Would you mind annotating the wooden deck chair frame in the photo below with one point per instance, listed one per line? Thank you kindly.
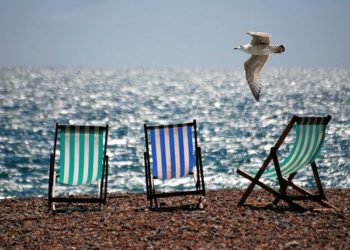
(284, 182)
(152, 193)
(102, 184)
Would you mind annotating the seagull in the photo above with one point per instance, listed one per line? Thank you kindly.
(260, 49)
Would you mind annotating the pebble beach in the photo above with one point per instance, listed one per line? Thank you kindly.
(127, 222)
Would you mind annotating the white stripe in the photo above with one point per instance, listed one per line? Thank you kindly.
(177, 151)
(76, 156)
(95, 165)
(186, 153)
(167, 152)
(322, 131)
(66, 154)
(86, 155)
(158, 153)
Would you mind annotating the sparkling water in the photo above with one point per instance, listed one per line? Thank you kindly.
(234, 130)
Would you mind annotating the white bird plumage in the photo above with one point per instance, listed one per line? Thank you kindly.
(260, 49)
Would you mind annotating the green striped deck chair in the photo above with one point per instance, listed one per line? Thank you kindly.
(308, 141)
(81, 160)
(172, 152)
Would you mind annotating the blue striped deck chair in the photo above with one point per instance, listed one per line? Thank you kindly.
(81, 159)
(172, 152)
(310, 134)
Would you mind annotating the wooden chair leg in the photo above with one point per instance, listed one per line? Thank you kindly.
(254, 181)
(318, 180)
(247, 192)
(282, 184)
(290, 178)
(272, 191)
(53, 206)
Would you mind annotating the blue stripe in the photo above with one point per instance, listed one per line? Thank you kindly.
(162, 149)
(154, 153)
(190, 148)
(172, 152)
(181, 150)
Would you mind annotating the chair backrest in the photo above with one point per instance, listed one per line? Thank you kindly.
(82, 153)
(309, 138)
(172, 149)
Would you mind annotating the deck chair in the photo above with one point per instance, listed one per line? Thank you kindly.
(81, 159)
(172, 151)
(309, 138)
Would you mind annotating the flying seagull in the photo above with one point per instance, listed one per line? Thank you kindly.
(260, 49)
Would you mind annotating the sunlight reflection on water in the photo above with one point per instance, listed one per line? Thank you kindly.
(234, 131)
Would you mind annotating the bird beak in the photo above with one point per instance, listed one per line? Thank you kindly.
(235, 48)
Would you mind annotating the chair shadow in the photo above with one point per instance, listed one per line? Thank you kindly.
(275, 208)
(163, 208)
(72, 209)
(284, 209)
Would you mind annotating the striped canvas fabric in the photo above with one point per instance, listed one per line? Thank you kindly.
(172, 151)
(81, 154)
(310, 134)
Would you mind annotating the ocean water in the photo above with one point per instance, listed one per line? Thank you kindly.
(234, 130)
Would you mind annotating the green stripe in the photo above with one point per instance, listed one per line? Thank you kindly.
(71, 155)
(81, 155)
(100, 153)
(62, 155)
(91, 154)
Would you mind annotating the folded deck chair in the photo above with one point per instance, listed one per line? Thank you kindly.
(309, 138)
(172, 151)
(81, 159)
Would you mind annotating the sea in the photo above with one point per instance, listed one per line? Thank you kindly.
(234, 130)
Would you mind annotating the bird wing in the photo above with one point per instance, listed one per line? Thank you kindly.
(260, 38)
(252, 68)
